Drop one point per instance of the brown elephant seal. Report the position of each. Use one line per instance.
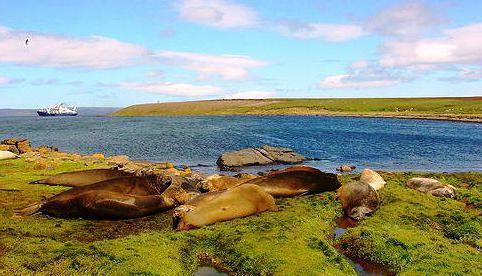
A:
(294, 181)
(218, 182)
(358, 199)
(372, 178)
(237, 202)
(119, 198)
(81, 178)
(431, 186)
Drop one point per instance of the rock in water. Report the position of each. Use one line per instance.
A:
(431, 186)
(258, 156)
(358, 199)
(296, 181)
(5, 155)
(346, 168)
(372, 178)
(237, 202)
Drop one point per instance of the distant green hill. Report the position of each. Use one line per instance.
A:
(441, 108)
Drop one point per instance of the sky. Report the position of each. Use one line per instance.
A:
(119, 53)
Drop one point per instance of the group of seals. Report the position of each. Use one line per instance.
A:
(115, 198)
(118, 196)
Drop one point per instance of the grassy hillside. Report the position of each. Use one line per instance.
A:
(410, 107)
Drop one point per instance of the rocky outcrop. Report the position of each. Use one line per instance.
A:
(431, 186)
(265, 155)
(18, 145)
(373, 179)
(346, 168)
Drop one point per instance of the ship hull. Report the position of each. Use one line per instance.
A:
(46, 114)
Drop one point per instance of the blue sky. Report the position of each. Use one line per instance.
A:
(117, 53)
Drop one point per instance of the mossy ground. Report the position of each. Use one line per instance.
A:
(411, 233)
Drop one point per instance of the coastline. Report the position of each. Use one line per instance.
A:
(386, 116)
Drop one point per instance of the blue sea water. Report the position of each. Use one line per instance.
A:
(378, 143)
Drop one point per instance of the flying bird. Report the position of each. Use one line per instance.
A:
(26, 42)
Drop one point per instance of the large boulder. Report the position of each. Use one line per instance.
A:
(265, 155)
(372, 178)
(431, 186)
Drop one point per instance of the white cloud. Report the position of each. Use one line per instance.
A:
(228, 67)
(362, 74)
(348, 82)
(465, 75)
(253, 94)
(175, 89)
(218, 13)
(328, 32)
(359, 64)
(406, 20)
(61, 51)
(456, 46)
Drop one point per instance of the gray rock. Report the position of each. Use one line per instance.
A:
(265, 155)
(346, 168)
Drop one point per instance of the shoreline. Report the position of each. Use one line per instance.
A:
(388, 116)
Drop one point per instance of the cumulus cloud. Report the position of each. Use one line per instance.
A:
(362, 74)
(346, 81)
(218, 13)
(253, 94)
(465, 75)
(228, 67)
(47, 50)
(406, 20)
(328, 32)
(456, 46)
(175, 89)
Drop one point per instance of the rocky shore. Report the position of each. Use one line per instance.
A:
(404, 234)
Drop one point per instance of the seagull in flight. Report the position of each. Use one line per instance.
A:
(26, 42)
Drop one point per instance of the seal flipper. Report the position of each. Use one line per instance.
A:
(30, 209)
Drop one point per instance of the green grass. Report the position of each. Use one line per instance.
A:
(412, 233)
(424, 107)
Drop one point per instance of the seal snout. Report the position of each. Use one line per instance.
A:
(178, 222)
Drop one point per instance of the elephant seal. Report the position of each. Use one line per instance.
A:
(119, 198)
(218, 182)
(358, 199)
(431, 186)
(5, 155)
(237, 202)
(294, 181)
(372, 178)
(81, 178)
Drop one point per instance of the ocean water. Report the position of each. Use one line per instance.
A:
(378, 143)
